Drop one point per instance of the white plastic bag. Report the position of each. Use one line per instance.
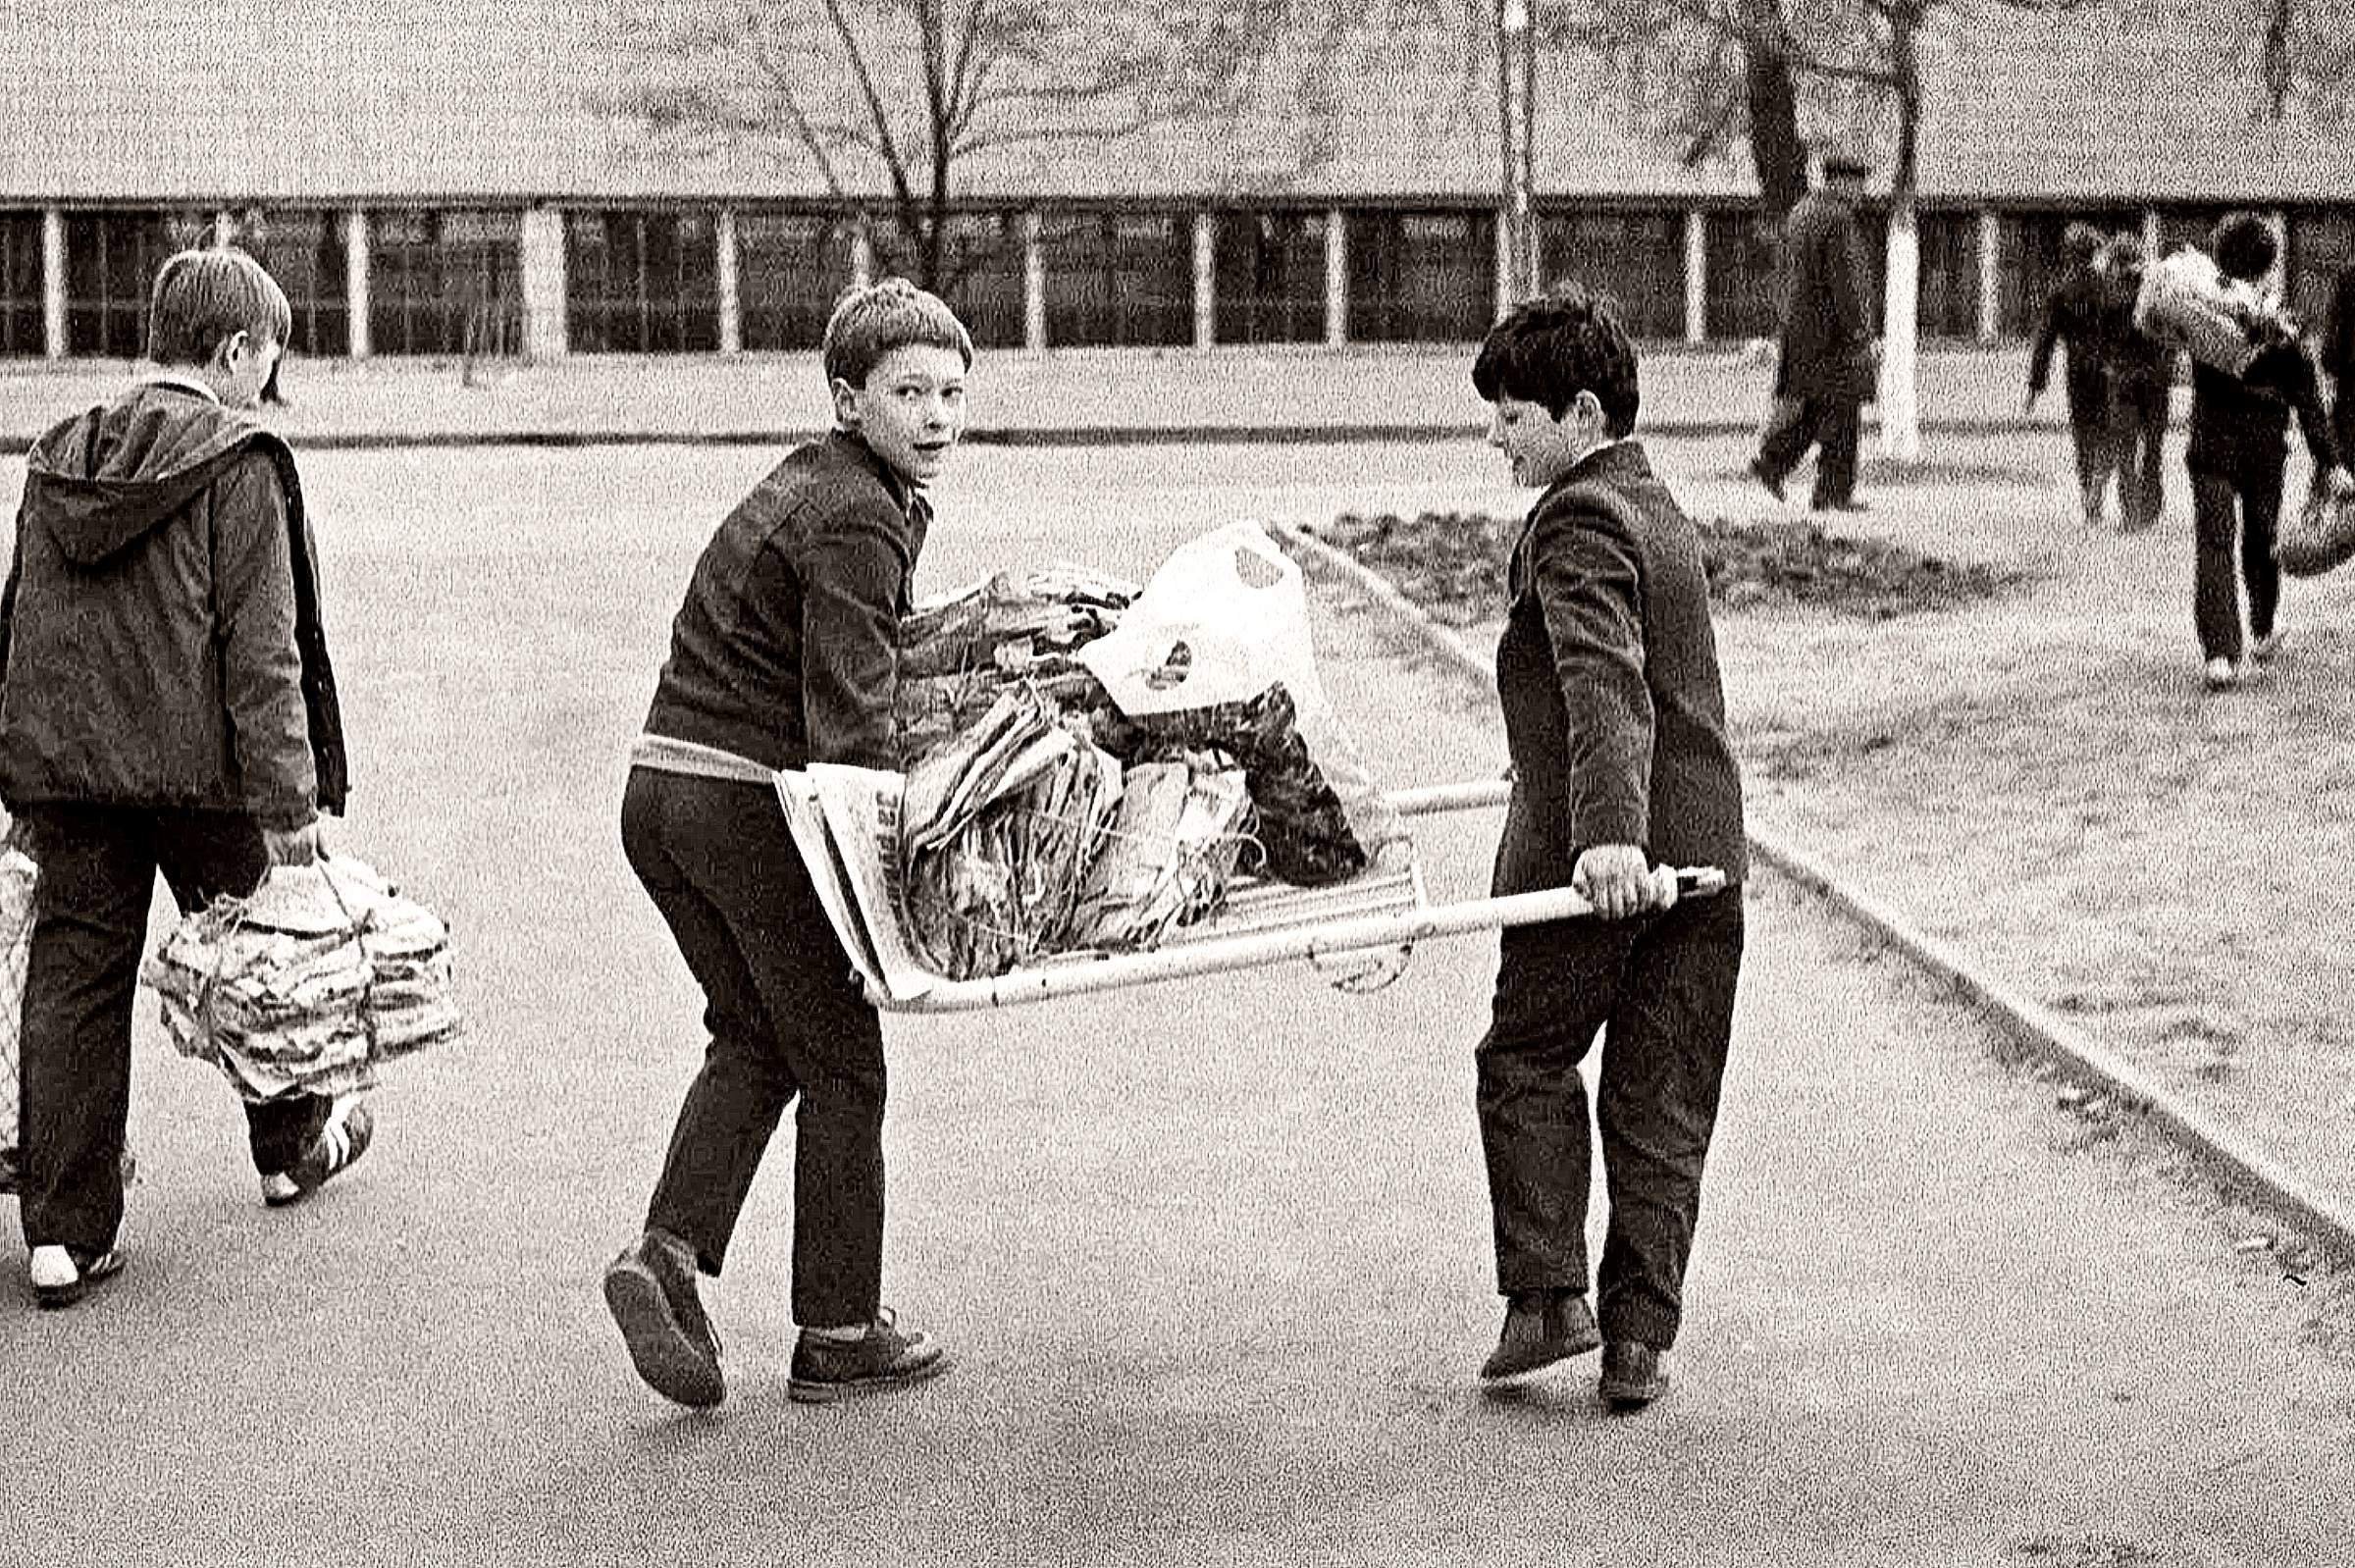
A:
(17, 879)
(1222, 621)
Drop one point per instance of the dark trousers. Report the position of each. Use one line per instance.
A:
(2094, 445)
(1664, 986)
(2234, 520)
(98, 866)
(2138, 414)
(1834, 424)
(787, 1018)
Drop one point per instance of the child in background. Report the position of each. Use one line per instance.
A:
(2236, 459)
(785, 652)
(2074, 315)
(1614, 718)
(2142, 379)
(169, 706)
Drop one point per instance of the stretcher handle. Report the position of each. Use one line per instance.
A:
(1469, 795)
(1076, 974)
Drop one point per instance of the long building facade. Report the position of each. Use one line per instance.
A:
(428, 178)
(546, 280)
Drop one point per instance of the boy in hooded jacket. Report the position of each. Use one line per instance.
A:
(166, 704)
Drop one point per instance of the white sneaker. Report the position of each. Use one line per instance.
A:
(59, 1279)
(2265, 648)
(2223, 674)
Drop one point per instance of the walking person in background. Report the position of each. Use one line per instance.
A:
(1827, 367)
(2073, 317)
(1614, 719)
(2239, 431)
(2338, 358)
(166, 704)
(785, 652)
(2142, 380)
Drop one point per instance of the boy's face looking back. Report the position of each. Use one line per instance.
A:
(909, 409)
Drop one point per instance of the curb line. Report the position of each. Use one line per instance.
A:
(2237, 1165)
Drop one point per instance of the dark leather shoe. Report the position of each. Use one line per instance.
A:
(826, 1370)
(1542, 1328)
(1765, 476)
(1851, 505)
(651, 1291)
(1634, 1375)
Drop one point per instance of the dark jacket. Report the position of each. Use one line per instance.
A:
(2140, 366)
(786, 648)
(1614, 711)
(2239, 425)
(1827, 331)
(2076, 316)
(160, 639)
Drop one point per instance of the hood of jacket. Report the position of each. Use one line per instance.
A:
(102, 479)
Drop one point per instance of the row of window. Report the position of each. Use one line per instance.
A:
(449, 280)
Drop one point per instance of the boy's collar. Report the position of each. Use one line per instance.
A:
(907, 492)
(184, 380)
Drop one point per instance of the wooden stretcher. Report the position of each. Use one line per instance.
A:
(1341, 928)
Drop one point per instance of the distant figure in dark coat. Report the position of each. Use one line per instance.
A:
(1826, 372)
(2072, 318)
(2142, 379)
(2338, 358)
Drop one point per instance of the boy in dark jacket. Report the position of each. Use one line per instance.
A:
(2240, 427)
(1614, 717)
(2072, 316)
(166, 703)
(2142, 380)
(785, 653)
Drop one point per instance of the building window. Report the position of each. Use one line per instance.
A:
(1119, 278)
(1421, 275)
(1745, 288)
(304, 251)
(444, 282)
(111, 262)
(1635, 259)
(2028, 258)
(790, 268)
(1949, 292)
(980, 272)
(642, 283)
(1270, 276)
(20, 284)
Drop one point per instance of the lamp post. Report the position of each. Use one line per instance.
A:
(1516, 85)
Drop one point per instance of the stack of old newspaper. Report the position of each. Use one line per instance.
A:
(310, 984)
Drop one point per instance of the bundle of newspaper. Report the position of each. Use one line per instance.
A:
(17, 879)
(997, 830)
(308, 985)
(959, 652)
(2185, 303)
(1169, 854)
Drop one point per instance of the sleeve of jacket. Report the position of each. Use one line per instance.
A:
(261, 670)
(2048, 334)
(1853, 288)
(854, 568)
(1587, 572)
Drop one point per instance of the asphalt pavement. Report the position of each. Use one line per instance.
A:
(1213, 1256)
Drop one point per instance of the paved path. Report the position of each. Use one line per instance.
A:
(1214, 1257)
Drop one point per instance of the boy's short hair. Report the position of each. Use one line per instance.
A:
(2080, 241)
(2243, 246)
(203, 296)
(1548, 349)
(871, 321)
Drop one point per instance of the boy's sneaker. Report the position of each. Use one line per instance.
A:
(61, 1276)
(2222, 674)
(826, 1370)
(2263, 648)
(348, 1132)
(651, 1291)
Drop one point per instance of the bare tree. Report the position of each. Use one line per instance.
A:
(2305, 53)
(886, 100)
